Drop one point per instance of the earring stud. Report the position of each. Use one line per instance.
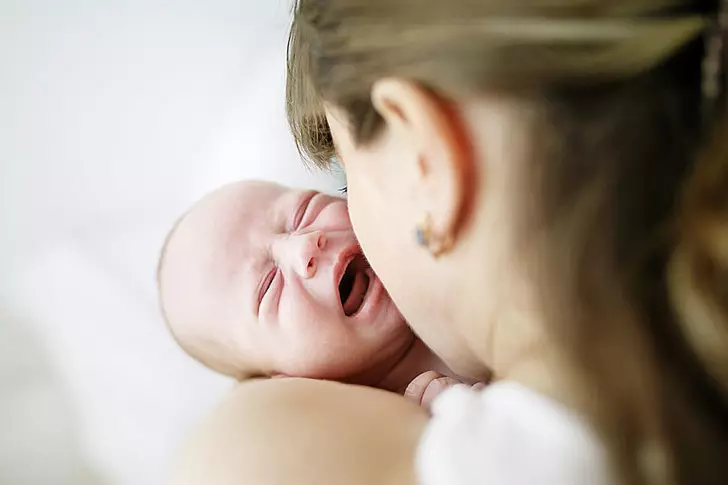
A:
(422, 232)
(426, 238)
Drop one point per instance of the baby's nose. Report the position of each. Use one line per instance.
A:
(309, 248)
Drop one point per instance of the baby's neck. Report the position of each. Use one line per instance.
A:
(417, 359)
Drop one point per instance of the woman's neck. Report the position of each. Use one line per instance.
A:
(526, 355)
(506, 332)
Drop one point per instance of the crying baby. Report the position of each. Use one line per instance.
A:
(258, 279)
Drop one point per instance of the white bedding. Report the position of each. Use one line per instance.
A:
(116, 116)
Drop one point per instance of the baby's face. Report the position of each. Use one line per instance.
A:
(262, 278)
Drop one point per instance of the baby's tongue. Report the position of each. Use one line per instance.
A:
(356, 296)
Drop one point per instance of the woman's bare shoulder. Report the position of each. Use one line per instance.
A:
(303, 431)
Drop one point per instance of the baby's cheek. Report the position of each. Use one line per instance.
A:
(311, 348)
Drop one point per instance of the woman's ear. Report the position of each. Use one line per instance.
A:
(439, 155)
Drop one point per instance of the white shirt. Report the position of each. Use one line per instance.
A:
(508, 434)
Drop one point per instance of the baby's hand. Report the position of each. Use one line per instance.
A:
(425, 387)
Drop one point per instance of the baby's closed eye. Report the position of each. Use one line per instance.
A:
(265, 285)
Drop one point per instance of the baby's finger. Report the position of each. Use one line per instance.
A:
(479, 386)
(416, 389)
(435, 387)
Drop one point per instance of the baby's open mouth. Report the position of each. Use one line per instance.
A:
(354, 285)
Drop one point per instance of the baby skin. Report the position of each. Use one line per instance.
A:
(258, 279)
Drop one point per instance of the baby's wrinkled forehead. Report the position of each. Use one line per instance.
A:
(223, 227)
(219, 240)
(240, 202)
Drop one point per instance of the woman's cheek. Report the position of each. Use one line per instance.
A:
(371, 230)
(361, 222)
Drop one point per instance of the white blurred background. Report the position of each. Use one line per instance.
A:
(114, 117)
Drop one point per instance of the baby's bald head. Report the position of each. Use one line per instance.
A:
(197, 272)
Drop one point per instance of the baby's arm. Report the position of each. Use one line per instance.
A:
(425, 387)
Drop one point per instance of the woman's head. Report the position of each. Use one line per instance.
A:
(544, 146)
(488, 118)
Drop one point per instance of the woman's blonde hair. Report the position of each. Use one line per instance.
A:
(629, 171)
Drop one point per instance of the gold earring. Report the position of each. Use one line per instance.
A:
(423, 231)
(437, 245)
